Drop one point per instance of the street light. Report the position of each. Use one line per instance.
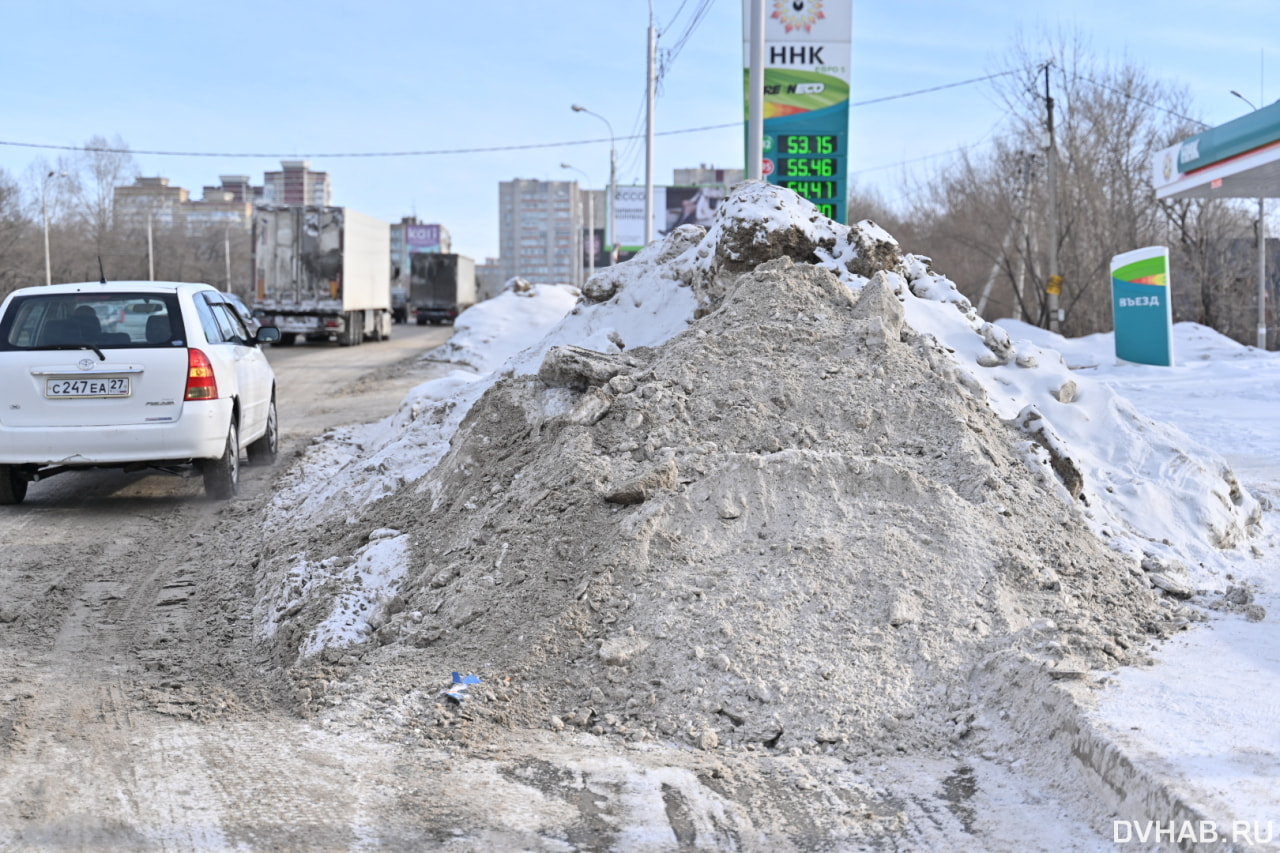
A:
(1246, 100)
(44, 212)
(591, 223)
(1262, 255)
(613, 182)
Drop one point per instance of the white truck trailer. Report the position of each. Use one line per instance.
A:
(323, 273)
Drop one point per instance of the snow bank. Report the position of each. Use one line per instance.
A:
(1143, 487)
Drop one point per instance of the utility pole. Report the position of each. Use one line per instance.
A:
(151, 251)
(755, 121)
(650, 88)
(1054, 286)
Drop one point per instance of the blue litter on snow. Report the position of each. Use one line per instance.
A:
(460, 684)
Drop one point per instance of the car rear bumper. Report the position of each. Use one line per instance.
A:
(201, 433)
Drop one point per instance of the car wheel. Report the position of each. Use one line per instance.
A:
(222, 475)
(13, 486)
(263, 451)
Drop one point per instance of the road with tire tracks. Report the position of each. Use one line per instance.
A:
(131, 717)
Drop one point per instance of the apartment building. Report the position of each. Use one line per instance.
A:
(295, 184)
(539, 236)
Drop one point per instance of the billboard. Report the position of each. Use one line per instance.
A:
(806, 98)
(1141, 306)
(672, 207)
(422, 238)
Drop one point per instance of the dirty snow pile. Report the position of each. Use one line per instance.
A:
(774, 484)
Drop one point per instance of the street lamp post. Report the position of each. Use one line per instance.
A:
(591, 223)
(44, 212)
(1262, 254)
(613, 183)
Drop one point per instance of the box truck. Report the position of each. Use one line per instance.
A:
(441, 286)
(323, 273)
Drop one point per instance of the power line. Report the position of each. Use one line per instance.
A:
(1142, 101)
(446, 151)
(936, 88)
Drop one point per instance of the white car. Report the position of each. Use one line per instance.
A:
(131, 375)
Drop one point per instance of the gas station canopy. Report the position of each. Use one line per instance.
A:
(1239, 159)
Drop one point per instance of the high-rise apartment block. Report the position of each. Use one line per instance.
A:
(539, 236)
(295, 184)
(229, 204)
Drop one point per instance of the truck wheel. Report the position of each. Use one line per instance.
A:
(13, 486)
(222, 475)
(263, 451)
(287, 339)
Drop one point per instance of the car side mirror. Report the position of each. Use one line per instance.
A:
(266, 335)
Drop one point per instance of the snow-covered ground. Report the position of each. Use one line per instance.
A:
(1209, 710)
(1153, 446)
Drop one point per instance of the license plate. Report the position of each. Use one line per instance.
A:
(106, 386)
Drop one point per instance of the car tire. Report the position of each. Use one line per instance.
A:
(13, 486)
(264, 450)
(222, 475)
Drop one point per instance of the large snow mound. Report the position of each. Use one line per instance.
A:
(775, 483)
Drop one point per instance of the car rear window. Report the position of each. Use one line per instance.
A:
(103, 320)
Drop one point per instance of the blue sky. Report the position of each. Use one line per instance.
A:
(288, 79)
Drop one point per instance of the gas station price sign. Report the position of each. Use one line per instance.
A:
(812, 165)
(818, 145)
(803, 79)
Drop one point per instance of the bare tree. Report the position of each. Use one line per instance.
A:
(95, 172)
(987, 216)
(16, 232)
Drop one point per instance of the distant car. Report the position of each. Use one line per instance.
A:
(250, 319)
(132, 375)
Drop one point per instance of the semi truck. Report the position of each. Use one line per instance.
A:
(441, 286)
(323, 273)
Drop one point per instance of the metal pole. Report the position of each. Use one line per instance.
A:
(591, 227)
(591, 234)
(613, 182)
(1055, 280)
(755, 120)
(613, 200)
(1262, 273)
(226, 250)
(650, 88)
(151, 257)
(44, 210)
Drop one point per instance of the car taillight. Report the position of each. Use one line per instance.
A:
(201, 383)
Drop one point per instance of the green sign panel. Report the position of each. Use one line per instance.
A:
(806, 100)
(1141, 306)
